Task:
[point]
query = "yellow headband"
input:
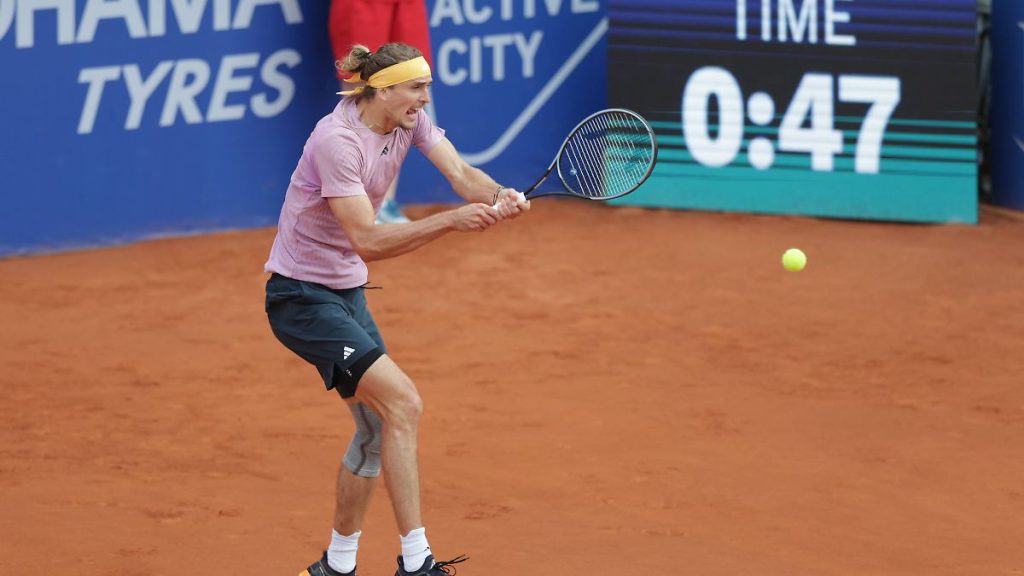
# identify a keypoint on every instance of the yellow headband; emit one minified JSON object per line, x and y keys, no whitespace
{"x":394,"y":74}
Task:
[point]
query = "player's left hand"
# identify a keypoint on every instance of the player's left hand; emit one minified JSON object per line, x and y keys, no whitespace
{"x":510,"y":204}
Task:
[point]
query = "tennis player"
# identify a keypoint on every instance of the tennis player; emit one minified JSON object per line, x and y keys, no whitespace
{"x":314,"y":299}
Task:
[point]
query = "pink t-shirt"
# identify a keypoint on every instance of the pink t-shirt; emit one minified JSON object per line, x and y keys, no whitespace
{"x":342,"y":157}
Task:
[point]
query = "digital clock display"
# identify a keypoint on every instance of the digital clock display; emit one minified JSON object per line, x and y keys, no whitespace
{"x":845,"y":108}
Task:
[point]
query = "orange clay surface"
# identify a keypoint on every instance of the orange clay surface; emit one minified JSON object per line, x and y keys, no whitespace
{"x":645,"y":391}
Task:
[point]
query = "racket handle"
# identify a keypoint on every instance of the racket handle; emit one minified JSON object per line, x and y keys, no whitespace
{"x":520,"y":200}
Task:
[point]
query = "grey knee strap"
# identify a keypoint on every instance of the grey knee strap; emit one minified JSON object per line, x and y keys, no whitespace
{"x":363,"y":455}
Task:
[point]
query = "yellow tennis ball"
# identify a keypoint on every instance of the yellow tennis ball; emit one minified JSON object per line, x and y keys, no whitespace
{"x":794,"y":260}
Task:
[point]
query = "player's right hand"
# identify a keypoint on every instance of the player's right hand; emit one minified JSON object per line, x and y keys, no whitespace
{"x":474,"y":218}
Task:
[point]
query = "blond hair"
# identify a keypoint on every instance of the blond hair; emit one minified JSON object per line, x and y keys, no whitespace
{"x":363,"y":63}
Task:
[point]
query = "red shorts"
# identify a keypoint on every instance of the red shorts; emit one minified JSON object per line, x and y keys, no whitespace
{"x":375,"y":22}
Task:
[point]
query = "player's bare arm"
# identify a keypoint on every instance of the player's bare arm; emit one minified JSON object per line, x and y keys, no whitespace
{"x":379,"y":241}
{"x":474,"y":184}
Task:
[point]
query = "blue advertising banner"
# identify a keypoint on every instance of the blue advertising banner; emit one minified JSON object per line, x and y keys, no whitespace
{"x":131,"y":119}
{"x":1007,"y":116}
{"x":853,"y":108}
{"x":511,"y":79}
{"x":135,"y":119}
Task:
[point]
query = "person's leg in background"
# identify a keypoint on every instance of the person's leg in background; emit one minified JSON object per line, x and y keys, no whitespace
{"x":373,"y":23}
{"x":390,"y":212}
{"x":409,"y":26}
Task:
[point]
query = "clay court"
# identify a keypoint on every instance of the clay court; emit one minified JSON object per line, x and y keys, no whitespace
{"x":644,"y":390}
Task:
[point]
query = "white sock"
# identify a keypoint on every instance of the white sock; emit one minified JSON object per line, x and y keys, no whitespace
{"x":341,"y":554}
{"x":415,"y":549}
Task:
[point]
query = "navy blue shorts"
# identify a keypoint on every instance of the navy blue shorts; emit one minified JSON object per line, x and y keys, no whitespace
{"x":331,"y":329}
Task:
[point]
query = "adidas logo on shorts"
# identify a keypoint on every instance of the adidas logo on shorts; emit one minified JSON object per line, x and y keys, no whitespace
{"x":348,"y":352}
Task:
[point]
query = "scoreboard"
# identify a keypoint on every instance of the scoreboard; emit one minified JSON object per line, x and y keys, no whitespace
{"x":840,"y":108}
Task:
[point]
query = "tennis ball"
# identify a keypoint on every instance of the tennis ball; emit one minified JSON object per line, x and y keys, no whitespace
{"x":794,"y":260}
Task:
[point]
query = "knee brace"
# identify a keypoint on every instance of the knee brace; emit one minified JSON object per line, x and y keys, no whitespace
{"x":363,"y":455}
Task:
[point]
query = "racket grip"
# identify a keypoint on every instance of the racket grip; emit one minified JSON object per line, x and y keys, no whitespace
{"x":520,"y":200}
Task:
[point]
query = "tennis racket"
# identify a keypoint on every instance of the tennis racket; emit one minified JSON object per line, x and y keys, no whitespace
{"x":607,"y":155}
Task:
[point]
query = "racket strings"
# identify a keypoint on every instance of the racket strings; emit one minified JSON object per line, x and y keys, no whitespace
{"x":608,"y":155}
{"x":619,"y":135}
